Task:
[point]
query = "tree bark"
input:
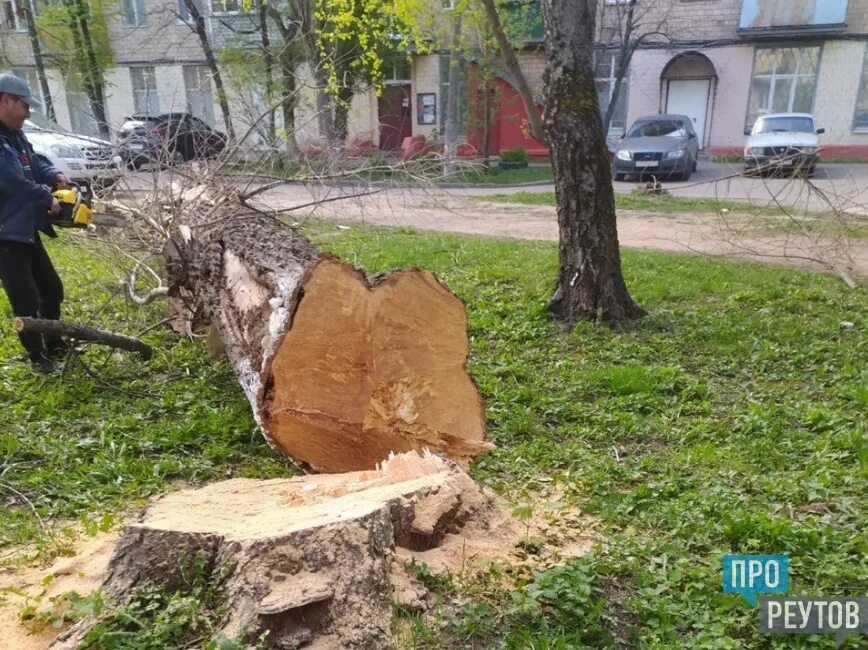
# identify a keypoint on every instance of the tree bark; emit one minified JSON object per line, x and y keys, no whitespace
{"x":341,"y":121}
{"x":339,"y":369}
{"x":590,"y":283}
{"x":202,"y":32}
{"x":82,"y":333}
{"x":510,"y":60}
{"x":95,"y":72}
{"x":36,"y":46}
{"x":268,"y":64}
{"x":453,"y":119}
{"x":309,"y":560}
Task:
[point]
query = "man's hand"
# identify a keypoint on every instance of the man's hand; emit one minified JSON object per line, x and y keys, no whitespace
{"x":55,"y":206}
{"x":61,"y":182}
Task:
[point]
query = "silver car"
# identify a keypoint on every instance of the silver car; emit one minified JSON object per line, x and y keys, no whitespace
{"x":658,"y":145}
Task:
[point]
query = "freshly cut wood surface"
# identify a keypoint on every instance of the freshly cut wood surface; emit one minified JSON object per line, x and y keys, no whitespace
{"x":340,"y":370}
{"x":370,"y":369}
{"x":308,"y":559}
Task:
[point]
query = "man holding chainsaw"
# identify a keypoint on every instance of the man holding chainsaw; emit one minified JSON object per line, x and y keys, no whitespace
{"x":27,"y":274}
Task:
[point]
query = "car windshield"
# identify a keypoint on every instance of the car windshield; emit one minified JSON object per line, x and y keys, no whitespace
{"x":657,"y":128}
{"x":784,"y":125}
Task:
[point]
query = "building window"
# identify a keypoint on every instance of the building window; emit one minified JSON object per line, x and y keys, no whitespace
{"x":184,"y":12}
{"x":605,"y":76}
{"x":133,"y":13}
{"x":197,"y":83}
{"x":81,"y":113}
{"x":145,"y":100}
{"x":12,"y":14}
{"x":783,"y":81}
{"x":860,"y":118}
{"x":225,"y":7}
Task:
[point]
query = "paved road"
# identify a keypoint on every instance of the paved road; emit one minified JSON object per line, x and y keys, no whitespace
{"x":845,"y":185}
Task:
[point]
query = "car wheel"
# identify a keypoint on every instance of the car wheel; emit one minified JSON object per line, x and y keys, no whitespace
{"x":685,"y":175}
{"x":695,"y":165}
{"x":620,"y":177}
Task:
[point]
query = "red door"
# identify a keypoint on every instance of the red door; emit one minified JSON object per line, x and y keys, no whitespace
{"x":395,"y":114}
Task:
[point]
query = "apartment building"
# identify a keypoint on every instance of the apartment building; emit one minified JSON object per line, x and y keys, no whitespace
{"x":159,"y":66}
{"x":721,"y":62}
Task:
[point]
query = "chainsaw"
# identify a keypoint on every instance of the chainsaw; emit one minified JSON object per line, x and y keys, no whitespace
{"x":76,"y":209}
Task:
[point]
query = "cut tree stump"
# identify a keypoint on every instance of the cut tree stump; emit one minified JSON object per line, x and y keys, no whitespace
{"x":308,"y":559}
{"x":340,"y":369}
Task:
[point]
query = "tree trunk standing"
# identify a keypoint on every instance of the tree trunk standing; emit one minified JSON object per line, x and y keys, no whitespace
{"x":36,"y":46}
{"x":287,"y":74}
{"x":625,"y":53}
{"x":589,"y":283}
{"x":268,"y":64}
{"x":339,"y":369}
{"x":202,"y":32}
{"x":341,"y":121}
{"x":94,"y":70}
{"x":83,"y":63}
{"x":453,"y":119}
{"x":510,"y":60}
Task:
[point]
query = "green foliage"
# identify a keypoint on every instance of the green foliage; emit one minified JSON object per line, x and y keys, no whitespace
{"x":56,"y":21}
{"x":729,"y":420}
{"x":158,"y":619}
{"x":519,"y":155}
{"x":81,"y":447}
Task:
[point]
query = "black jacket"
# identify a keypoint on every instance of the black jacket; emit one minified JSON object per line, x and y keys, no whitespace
{"x":25,"y":197}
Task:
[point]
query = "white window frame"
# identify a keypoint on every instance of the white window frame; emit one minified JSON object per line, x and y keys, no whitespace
{"x":223,"y":11}
{"x":791,"y":77}
{"x":139,"y":19}
{"x":147,"y":91}
{"x":209,"y":117}
{"x":611,"y":79}
{"x":20,"y":20}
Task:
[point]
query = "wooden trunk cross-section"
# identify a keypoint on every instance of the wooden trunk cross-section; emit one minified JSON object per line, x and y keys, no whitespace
{"x":310,"y":560}
{"x":340,"y":369}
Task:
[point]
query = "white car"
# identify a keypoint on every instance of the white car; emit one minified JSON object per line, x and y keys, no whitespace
{"x":783,"y":142}
{"x":83,"y":159}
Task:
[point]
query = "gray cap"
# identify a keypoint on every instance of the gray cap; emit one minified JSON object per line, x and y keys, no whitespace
{"x":14,"y":85}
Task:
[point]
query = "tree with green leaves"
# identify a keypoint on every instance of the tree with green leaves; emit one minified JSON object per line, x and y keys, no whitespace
{"x":76,"y":37}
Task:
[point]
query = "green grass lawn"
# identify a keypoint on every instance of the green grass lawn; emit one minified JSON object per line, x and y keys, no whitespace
{"x":730,"y":420}
{"x":495,"y":176}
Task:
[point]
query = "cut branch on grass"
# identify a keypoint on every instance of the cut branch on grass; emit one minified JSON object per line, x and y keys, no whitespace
{"x":78,"y":332}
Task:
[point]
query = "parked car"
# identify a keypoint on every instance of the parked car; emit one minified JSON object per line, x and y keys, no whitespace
{"x":83,"y":159}
{"x":167,"y":138}
{"x":658,"y":145}
{"x":783,"y":142}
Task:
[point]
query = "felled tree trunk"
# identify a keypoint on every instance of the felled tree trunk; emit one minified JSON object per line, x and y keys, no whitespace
{"x":308,"y":559}
{"x":340,"y":369}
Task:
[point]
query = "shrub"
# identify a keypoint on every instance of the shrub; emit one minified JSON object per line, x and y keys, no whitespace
{"x":517,"y":155}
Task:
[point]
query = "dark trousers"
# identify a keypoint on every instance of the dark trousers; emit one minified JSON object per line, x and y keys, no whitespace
{"x":32,"y":286}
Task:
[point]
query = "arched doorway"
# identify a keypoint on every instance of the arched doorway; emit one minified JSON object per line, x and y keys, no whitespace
{"x":688,"y":83}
